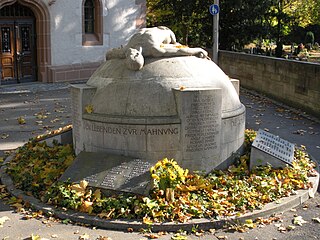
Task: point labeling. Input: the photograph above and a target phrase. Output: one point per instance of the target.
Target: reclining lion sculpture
(152, 42)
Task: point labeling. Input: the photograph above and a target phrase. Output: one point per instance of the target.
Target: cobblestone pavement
(47, 106)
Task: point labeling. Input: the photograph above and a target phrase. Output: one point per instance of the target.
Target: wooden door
(17, 44)
(25, 51)
(7, 52)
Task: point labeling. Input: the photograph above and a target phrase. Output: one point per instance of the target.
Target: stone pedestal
(184, 108)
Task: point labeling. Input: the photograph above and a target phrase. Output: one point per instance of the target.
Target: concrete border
(284, 204)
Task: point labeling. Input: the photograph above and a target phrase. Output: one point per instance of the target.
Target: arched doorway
(26, 12)
(17, 44)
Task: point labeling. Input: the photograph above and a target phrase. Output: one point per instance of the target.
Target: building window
(92, 23)
(89, 16)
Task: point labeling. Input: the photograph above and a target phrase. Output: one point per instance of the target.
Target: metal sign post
(214, 10)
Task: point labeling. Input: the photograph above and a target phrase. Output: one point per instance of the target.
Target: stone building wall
(76, 56)
(292, 82)
(63, 50)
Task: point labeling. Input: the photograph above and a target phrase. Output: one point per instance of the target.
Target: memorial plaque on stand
(271, 149)
(110, 172)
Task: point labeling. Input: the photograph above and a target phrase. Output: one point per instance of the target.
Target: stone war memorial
(152, 99)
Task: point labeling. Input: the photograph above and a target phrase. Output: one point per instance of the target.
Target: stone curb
(285, 203)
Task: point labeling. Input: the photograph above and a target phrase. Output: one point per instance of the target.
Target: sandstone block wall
(292, 82)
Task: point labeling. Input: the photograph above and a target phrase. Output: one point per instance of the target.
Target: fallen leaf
(55, 120)
(17, 206)
(282, 229)
(151, 236)
(84, 237)
(317, 220)
(39, 122)
(147, 220)
(298, 221)
(300, 132)
(4, 136)
(21, 120)
(89, 109)
(61, 110)
(103, 238)
(80, 188)
(3, 220)
(41, 116)
(222, 237)
(178, 236)
(249, 223)
(290, 227)
(35, 237)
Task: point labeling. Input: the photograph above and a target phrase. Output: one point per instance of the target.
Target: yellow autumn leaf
(35, 237)
(89, 109)
(80, 188)
(249, 223)
(298, 220)
(84, 237)
(18, 206)
(178, 236)
(86, 207)
(3, 220)
(21, 120)
(185, 188)
(147, 220)
(41, 116)
(151, 236)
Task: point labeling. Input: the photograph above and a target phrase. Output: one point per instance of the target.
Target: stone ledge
(285, 204)
(130, 120)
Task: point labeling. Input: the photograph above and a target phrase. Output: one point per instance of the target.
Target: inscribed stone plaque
(200, 113)
(111, 172)
(271, 149)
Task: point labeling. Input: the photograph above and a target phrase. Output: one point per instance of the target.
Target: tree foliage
(189, 19)
(241, 21)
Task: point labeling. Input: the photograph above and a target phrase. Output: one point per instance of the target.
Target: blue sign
(214, 9)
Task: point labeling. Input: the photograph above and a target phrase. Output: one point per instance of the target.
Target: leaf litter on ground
(37, 167)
